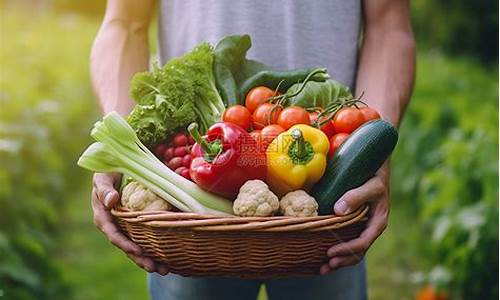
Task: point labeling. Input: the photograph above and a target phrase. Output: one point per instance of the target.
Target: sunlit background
(444, 220)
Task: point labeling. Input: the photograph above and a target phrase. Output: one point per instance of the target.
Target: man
(285, 34)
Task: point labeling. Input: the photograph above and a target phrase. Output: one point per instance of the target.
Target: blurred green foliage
(444, 227)
(458, 27)
(446, 170)
(45, 116)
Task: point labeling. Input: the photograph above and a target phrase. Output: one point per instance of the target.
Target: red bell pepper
(225, 159)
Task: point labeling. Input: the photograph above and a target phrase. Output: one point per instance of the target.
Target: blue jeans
(345, 284)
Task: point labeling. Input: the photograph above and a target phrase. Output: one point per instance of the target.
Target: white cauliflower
(255, 200)
(298, 204)
(137, 197)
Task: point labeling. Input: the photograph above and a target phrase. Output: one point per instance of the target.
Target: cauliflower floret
(298, 204)
(255, 200)
(137, 197)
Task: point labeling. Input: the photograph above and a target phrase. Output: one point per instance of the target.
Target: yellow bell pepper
(296, 159)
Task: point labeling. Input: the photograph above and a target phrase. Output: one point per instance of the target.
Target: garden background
(444, 219)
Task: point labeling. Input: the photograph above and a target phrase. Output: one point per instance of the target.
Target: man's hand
(374, 192)
(104, 197)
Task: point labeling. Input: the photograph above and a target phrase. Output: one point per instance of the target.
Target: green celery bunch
(118, 149)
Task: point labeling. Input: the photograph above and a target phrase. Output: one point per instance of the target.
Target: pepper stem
(299, 143)
(195, 133)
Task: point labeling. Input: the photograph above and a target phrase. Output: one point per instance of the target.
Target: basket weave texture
(246, 247)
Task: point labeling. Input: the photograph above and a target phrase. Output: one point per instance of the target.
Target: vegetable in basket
(281, 80)
(225, 159)
(137, 197)
(255, 200)
(173, 96)
(355, 162)
(296, 159)
(235, 75)
(318, 94)
(118, 149)
(298, 204)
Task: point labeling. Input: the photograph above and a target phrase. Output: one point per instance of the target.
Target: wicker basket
(246, 247)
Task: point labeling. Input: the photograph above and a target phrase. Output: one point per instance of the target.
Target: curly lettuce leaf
(173, 96)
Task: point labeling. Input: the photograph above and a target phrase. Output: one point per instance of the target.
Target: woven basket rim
(199, 222)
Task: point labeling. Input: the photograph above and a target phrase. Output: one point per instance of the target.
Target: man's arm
(120, 50)
(385, 75)
(387, 63)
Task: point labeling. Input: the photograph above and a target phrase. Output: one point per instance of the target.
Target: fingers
(351, 252)
(340, 262)
(144, 262)
(104, 187)
(104, 222)
(104, 196)
(344, 261)
(375, 226)
(353, 199)
(324, 269)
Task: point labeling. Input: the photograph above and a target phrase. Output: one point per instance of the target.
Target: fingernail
(107, 199)
(340, 207)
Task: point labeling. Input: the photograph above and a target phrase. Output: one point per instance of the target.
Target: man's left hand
(374, 192)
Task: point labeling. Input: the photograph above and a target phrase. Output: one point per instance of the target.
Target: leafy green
(232, 68)
(318, 94)
(179, 93)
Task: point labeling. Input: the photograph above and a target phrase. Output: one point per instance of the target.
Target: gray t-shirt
(285, 33)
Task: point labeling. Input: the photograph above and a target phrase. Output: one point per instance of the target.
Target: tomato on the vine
(256, 134)
(348, 119)
(327, 128)
(261, 115)
(257, 96)
(369, 113)
(239, 115)
(336, 141)
(269, 133)
(293, 115)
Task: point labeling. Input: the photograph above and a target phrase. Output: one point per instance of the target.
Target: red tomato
(261, 115)
(336, 141)
(257, 96)
(327, 128)
(348, 119)
(369, 113)
(256, 135)
(269, 133)
(293, 115)
(239, 115)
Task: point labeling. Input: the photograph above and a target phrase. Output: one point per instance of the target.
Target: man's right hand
(104, 197)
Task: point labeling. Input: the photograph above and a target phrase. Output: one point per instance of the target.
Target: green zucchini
(355, 162)
(272, 79)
